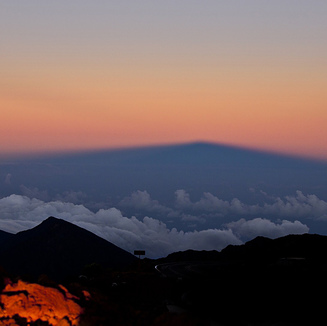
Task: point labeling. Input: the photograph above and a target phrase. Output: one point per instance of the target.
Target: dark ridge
(190, 255)
(4, 236)
(312, 247)
(262, 282)
(59, 248)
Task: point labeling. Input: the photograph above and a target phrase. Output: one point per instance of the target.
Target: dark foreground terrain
(264, 282)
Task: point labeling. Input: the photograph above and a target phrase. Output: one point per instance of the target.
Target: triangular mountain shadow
(58, 248)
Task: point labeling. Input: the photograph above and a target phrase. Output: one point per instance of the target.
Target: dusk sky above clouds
(106, 74)
(214, 87)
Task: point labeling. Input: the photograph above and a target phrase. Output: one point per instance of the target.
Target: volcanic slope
(58, 248)
(4, 236)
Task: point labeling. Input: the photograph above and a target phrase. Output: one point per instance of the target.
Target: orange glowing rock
(87, 295)
(8, 322)
(34, 301)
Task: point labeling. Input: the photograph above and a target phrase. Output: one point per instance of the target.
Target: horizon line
(39, 154)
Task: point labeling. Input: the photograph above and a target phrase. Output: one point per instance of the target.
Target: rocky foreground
(35, 302)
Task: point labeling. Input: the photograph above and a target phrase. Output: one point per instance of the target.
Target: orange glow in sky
(82, 81)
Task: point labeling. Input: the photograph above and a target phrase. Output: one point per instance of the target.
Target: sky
(79, 75)
(82, 76)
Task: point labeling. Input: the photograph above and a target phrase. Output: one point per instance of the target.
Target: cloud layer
(18, 213)
(298, 206)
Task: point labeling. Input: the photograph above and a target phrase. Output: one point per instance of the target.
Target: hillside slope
(58, 248)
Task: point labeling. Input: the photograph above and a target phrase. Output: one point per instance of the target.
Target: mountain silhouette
(264, 281)
(58, 248)
(4, 236)
(309, 247)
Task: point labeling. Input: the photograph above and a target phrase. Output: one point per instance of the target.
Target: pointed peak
(52, 221)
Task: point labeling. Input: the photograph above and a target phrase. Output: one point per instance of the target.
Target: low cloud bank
(261, 226)
(19, 213)
(297, 206)
(210, 208)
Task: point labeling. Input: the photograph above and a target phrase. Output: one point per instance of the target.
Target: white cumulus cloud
(141, 200)
(298, 206)
(263, 227)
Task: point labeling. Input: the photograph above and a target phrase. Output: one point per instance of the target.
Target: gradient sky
(102, 74)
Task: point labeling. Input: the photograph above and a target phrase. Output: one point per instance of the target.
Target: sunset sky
(105, 74)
